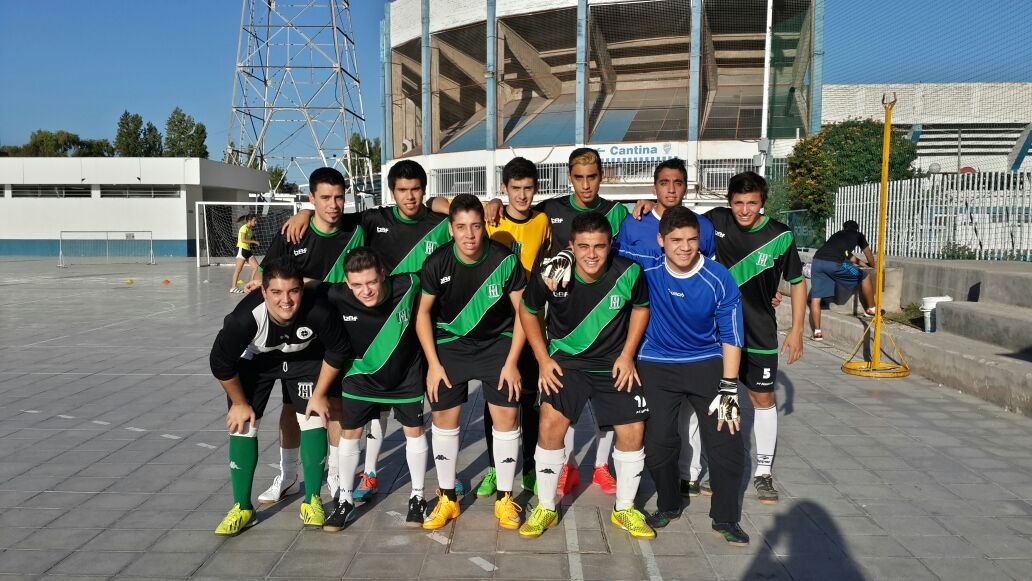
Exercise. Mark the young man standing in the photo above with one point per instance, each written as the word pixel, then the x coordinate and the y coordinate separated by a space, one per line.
pixel 759 251
pixel 467 328
pixel 595 325
pixel 692 350
pixel 528 234
pixel 279 333
pixel 377 313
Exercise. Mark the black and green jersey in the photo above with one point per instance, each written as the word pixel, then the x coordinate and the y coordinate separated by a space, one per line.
pixel 757 259
pixel 388 367
pixel 404 244
pixel 320 255
pixel 472 300
pixel 588 321
pixel 561 212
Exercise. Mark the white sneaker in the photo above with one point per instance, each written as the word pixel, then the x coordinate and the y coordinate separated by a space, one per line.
pixel 333 485
pixel 279 490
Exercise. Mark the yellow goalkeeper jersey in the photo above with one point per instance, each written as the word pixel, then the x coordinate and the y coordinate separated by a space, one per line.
pixel 245 233
pixel 529 239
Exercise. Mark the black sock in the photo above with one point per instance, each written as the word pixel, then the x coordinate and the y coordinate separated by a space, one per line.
pixel 449 493
pixel 501 494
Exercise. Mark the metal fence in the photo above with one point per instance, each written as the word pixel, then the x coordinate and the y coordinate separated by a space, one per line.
pixel 981 216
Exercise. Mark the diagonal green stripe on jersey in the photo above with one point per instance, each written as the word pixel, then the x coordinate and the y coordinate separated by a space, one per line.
pixel 485 297
pixel 413 261
pixel 761 259
pixel 389 336
pixel 605 311
pixel 615 216
pixel 337 273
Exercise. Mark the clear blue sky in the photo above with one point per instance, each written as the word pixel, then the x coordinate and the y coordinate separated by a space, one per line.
pixel 74 65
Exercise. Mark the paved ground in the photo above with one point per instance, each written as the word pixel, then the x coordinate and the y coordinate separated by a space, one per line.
pixel 113 464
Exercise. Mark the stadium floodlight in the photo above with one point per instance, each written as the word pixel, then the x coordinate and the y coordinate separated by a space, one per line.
pixel 296 93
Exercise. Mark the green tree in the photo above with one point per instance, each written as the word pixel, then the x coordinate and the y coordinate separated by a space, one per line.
pixel 94 148
pixel 843 154
pixel 197 138
pixel 129 137
pixel 152 146
pixel 179 130
pixel 43 143
pixel 362 150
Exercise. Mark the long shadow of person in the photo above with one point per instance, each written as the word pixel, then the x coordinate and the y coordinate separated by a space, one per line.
pixel 808 544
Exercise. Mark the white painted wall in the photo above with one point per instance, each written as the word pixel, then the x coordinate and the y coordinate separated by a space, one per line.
pixel 44 218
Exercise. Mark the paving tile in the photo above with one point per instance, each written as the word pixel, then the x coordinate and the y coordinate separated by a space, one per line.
pixel 313 564
pixel 28 562
pixel 376 567
pixel 94 563
pixel 940 547
pixel 240 564
pixel 966 569
pixel 169 565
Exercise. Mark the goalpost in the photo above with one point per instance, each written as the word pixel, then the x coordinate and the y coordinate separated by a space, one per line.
pixel 105 247
pixel 216 228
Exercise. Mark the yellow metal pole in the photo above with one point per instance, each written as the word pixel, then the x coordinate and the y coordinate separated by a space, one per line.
pixel 883 209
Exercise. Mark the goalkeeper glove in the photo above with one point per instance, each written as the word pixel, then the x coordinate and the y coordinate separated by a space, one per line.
pixel 726 402
pixel 558 268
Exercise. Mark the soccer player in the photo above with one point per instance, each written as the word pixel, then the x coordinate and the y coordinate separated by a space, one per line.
pixel 759 251
pixel 278 333
pixel 595 325
pixel 377 313
pixel 670 184
pixel 467 327
pixel 245 240
pixel 585 175
pixel 692 350
pixel 319 256
pixel 833 266
pixel 527 233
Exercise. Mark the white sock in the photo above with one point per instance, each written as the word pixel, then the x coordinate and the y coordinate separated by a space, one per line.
pixel 689 462
pixel 332 456
pixel 446 455
pixel 548 463
pixel 377 429
pixel 506 450
pixel 415 455
pixel 568 444
pixel 288 463
pixel 630 466
pixel 604 446
pixel 348 455
pixel 765 428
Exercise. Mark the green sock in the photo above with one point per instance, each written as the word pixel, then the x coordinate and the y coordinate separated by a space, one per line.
pixel 243 458
pixel 313 457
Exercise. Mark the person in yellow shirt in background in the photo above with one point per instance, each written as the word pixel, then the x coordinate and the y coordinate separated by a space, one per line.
pixel 528 233
pixel 245 243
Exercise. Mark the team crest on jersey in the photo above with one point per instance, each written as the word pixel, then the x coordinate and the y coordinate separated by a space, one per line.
pixel 430 246
pixel 763 260
pixel 494 291
pixel 615 302
pixel 304 389
pixel 304 333
pixel 403 317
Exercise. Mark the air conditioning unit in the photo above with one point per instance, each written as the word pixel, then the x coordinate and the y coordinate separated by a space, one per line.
pixel 716 178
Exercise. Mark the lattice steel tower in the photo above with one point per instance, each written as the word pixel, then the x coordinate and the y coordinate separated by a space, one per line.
pixel 296 92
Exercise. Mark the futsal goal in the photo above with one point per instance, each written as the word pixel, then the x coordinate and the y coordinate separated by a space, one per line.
pixel 217 225
pixel 105 247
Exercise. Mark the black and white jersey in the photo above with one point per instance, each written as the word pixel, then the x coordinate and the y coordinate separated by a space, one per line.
pixel 472 299
pixel 388 366
pixel 757 258
pixel 404 244
pixel 250 336
pixel 588 321
pixel 562 210
pixel 320 255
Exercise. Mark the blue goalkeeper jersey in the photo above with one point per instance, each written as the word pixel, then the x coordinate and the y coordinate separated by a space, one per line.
pixel 692 314
pixel 636 235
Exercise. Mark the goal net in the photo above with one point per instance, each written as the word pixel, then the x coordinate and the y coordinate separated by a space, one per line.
pixel 217 226
pixel 105 247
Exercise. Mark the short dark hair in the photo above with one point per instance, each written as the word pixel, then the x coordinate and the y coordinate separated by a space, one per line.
pixel 519 168
pixel 282 269
pixel 325 175
pixel 672 163
pixel 677 217
pixel 247 217
pixel 465 203
pixel 406 169
pixel 850 225
pixel 584 156
pixel 747 182
pixel 590 222
pixel 362 258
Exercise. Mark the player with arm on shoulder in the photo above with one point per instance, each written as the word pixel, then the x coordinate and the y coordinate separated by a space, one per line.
pixel 278 333
pixel 759 252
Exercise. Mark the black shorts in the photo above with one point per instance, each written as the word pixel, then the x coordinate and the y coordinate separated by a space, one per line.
pixel 359 412
pixel 244 254
pixel 612 408
pixel 297 377
pixel 464 361
pixel 758 371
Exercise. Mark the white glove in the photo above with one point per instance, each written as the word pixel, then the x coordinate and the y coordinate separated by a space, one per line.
pixel 558 268
pixel 726 402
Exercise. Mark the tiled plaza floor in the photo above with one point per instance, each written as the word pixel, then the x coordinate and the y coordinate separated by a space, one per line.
pixel 113 465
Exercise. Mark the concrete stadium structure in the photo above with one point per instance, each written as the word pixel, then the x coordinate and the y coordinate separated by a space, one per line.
pixel 43 196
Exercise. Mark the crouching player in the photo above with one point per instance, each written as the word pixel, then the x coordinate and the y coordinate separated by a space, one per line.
pixel 275 333
pixel 377 313
pixel 692 350
pixel 595 325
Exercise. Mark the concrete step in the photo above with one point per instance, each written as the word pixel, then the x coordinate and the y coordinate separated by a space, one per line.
pixel 1002 282
pixel 1005 325
pixel 1010 287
